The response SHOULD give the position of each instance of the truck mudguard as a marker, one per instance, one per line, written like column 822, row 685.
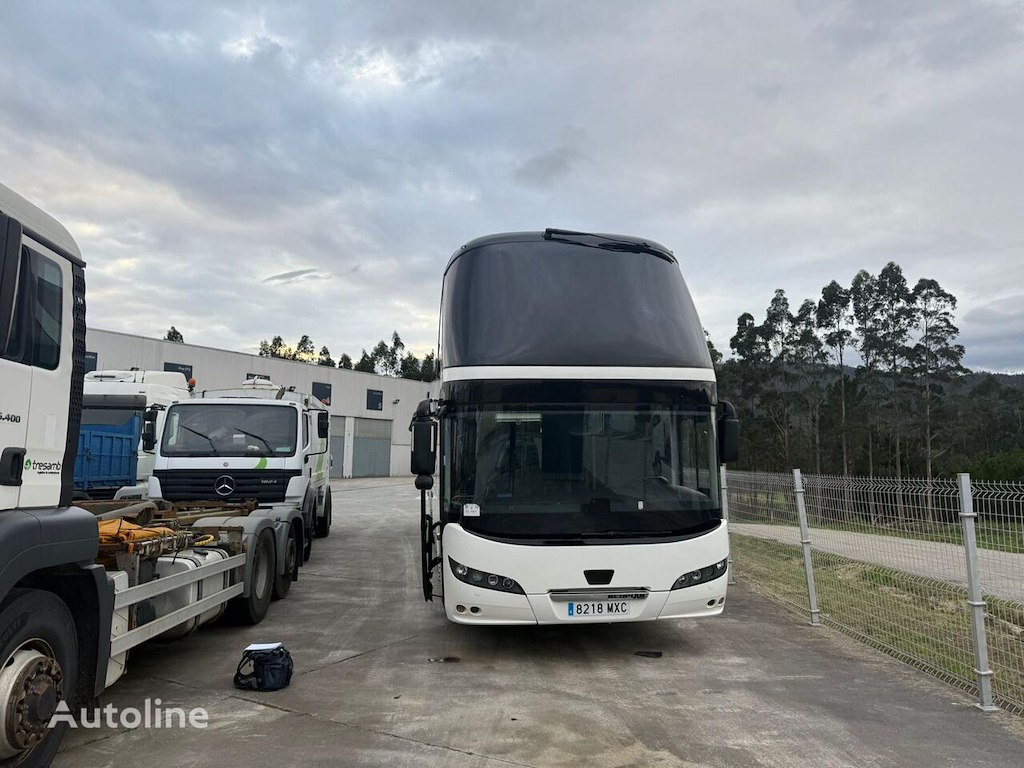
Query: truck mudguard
column 284, row 517
column 34, row 539
column 44, row 547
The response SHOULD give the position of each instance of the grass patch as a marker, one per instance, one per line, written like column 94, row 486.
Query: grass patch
column 918, row 620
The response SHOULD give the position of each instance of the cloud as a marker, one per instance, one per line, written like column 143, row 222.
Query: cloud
column 546, row 168
column 221, row 150
column 296, row 274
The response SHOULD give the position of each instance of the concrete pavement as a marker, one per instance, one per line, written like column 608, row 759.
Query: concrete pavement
column 755, row 687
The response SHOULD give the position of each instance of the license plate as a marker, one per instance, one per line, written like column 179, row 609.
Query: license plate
column 595, row 608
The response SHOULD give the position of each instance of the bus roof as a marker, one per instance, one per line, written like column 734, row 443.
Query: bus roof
column 562, row 298
column 583, row 238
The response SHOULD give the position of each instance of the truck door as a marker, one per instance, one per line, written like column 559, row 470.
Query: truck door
column 16, row 377
column 40, row 351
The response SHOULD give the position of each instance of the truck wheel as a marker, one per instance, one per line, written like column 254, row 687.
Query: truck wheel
column 323, row 523
column 39, row 658
column 283, row 581
column 252, row 609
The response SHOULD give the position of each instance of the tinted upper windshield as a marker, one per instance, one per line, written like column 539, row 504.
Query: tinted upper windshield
column 112, row 417
column 599, row 471
column 609, row 307
column 229, row 430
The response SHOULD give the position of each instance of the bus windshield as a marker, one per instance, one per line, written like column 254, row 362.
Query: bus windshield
column 229, row 430
column 597, row 472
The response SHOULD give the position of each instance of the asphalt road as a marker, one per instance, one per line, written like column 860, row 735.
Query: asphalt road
column 383, row 679
column 1002, row 573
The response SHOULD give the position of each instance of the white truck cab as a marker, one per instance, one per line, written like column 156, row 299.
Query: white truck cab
column 55, row 602
column 259, row 442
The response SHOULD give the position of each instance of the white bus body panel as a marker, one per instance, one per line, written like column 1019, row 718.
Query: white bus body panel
column 543, row 569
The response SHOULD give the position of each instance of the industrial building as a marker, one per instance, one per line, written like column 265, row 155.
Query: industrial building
column 370, row 414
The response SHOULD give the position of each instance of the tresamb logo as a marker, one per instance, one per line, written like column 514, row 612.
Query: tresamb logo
column 43, row 467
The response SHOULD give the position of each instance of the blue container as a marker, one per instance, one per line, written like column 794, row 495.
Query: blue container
column 107, row 455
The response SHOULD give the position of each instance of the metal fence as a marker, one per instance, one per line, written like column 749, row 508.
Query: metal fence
column 930, row 571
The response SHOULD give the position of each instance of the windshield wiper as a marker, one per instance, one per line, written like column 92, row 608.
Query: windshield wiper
column 250, row 434
column 205, row 437
column 610, row 244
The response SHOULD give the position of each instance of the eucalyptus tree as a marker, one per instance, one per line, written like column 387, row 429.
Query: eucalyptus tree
column 898, row 316
column 428, row 369
column 834, row 317
column 746, row 379
column 325, row 357
column 777, row 332
column 867, row 311
column 366, row 363
column 304, row 350
column 936, row 357
column 807, row 360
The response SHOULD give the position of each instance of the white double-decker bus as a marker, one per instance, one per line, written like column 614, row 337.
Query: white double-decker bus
column 580, row 437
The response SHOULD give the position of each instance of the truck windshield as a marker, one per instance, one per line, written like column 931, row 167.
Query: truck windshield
column 199, row 429
column 571, row 473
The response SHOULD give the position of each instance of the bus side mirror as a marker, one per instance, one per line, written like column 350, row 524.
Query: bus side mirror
column 728, row 433
column 323, row 424
column 149, row 431
column 423, row 456
column 423, row 459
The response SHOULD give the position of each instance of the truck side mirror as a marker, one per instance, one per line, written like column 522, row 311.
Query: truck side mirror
column 149, row 430
column 323, row 424
column 10, row 267
column 728, row 433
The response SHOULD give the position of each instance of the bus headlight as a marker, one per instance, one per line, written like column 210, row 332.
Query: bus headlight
column 484, row 579
column 702, row 575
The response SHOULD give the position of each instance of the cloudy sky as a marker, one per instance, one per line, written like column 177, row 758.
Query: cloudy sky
column 247, row 169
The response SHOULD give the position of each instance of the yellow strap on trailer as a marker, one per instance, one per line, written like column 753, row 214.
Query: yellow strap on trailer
column 113, row 533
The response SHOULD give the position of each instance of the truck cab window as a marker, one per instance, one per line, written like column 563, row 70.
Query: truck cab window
column 35, row 335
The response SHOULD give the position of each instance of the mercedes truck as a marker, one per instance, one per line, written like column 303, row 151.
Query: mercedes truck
column 81, row 586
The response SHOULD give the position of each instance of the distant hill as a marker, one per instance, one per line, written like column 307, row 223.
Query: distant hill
column 1014, row 380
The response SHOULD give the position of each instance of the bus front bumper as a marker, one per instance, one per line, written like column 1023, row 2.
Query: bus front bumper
column 556, row 591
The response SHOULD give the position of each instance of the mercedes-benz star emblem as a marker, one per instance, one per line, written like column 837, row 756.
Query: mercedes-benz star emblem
column 224, row 485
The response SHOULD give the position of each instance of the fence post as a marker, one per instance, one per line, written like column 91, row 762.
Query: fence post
column 974, row 597
column 805, row 541
column 724, row 493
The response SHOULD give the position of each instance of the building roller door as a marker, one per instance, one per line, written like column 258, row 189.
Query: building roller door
column 371, row 448
column 337, row 446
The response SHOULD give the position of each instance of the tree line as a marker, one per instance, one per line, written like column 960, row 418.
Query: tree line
column 868, row 379
column 384, row 359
